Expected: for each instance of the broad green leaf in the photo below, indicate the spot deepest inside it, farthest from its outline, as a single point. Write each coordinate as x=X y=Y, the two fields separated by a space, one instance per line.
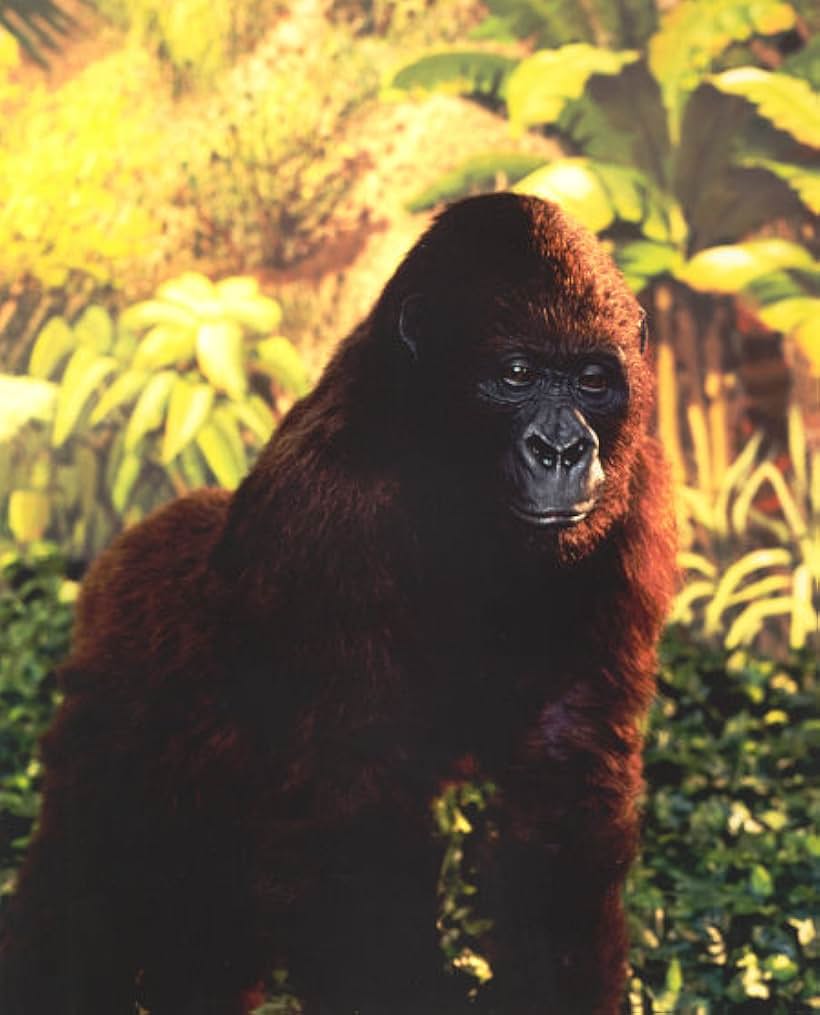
x=22 y=400
x=83 y=376
x=54 y=342
x=243 y=303
x=95 y=329
x=225 y=419
x=150 y=312
x=803 y=180
x=261 y=314
x=164 y=345
x=237 y=287
x=805 y=63
x=193 y=292
x=193 y=466
x=29 y=512
x=279 y=358
x=471 y=72
x=729 y=269
x=149 y=412
x=599 y=194
x=760 y=881
x=642 y=260
x=693 y=34
x=541 y=85
x=480 y=173
x=125 y=477
x=218 y=452
x=621 y=119
x=789 y=103
x=123 y=390
x=256 y=415
x=220 y=355
x=800 y=319
x=572 y=184
x=188 y=408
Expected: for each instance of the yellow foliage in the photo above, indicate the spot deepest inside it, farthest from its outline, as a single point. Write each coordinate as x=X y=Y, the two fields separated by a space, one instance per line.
x=75 y=170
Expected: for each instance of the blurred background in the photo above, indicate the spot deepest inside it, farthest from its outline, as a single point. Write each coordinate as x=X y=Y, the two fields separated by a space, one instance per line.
x=198 y=200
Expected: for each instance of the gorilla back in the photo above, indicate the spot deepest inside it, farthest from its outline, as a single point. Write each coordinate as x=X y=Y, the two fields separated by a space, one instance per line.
x=457 y=551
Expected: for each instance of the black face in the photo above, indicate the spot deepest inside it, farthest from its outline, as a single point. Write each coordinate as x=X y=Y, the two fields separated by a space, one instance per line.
x=548 y=424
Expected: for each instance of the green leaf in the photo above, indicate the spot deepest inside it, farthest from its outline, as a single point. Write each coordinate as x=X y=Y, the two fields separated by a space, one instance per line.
x=693 y=34
x=123 y=391
x=95 y=329
x=760 y=882
x=541 y=85
x=598 y=195
x=193 y=292
x=480 y=173
x=731 y=268
x=621 y=119
x=800 y=319
x=165 y=345
x=84 y=374
x=643 y=260
x=220 y=355
x=188 y=408
x=256 y=415
x=803 y=180
x=29 y=512
x=576 y=187
x=22 y=400
x=218 y=450
x=150 y=312
x=149 y=412
x=279 y=358
x=471 y=72
x=242 y=302
x=54 y=342
x=125 y=477
x=787 y=102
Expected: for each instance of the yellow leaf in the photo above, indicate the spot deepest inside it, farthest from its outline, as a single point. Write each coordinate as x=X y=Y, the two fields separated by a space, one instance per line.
x=219 y=353
x=84 y=374
x=28 y=514
x=149 y=411
x=193 y=292
x=124 y=389
x=54 y=342
x=219 y=454
x=188 y=408
x=164 y=345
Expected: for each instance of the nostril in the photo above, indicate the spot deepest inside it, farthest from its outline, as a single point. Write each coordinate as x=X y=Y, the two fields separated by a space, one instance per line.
x=543 y=452
x=574 y=453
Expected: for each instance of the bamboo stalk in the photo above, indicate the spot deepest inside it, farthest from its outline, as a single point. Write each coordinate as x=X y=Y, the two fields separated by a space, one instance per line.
x=668 y=407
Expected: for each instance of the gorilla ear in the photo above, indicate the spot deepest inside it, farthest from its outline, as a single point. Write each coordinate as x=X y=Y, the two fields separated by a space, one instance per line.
x=410 y=319
x=644 y=332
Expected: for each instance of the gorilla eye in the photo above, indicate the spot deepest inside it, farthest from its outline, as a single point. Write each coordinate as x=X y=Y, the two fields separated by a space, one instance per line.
x=593 y=380
x=518 y=373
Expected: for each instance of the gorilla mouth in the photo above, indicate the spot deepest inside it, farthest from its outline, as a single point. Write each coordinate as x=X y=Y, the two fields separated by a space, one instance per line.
x=554 y=517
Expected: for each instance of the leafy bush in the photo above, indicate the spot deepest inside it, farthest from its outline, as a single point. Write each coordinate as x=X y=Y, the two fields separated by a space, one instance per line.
x=118 y=416
x=723 y=900
x=755 y=574
x=35 y=620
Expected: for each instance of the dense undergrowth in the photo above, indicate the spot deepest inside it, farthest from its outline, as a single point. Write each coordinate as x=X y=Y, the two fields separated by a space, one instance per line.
x=721 y=900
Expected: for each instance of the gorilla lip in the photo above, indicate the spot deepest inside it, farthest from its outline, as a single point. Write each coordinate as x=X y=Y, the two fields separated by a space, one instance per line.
x=545 y=519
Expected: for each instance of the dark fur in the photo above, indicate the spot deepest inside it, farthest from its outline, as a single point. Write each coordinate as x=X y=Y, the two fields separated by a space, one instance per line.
x=267 y=689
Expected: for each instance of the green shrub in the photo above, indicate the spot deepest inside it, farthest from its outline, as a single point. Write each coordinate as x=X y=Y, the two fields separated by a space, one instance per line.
x=721 y=903
x=35 y=620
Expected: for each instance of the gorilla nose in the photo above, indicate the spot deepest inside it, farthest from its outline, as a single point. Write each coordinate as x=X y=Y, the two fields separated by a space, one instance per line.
x=550 y=456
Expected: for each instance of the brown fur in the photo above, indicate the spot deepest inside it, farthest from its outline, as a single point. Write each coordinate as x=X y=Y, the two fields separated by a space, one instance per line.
x=267 y=689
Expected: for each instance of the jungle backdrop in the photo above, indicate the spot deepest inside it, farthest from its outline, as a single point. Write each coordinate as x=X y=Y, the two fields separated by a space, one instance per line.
x=198 y=200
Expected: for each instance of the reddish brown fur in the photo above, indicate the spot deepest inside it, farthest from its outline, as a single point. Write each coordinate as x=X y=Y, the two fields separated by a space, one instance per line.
x=266 y=690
